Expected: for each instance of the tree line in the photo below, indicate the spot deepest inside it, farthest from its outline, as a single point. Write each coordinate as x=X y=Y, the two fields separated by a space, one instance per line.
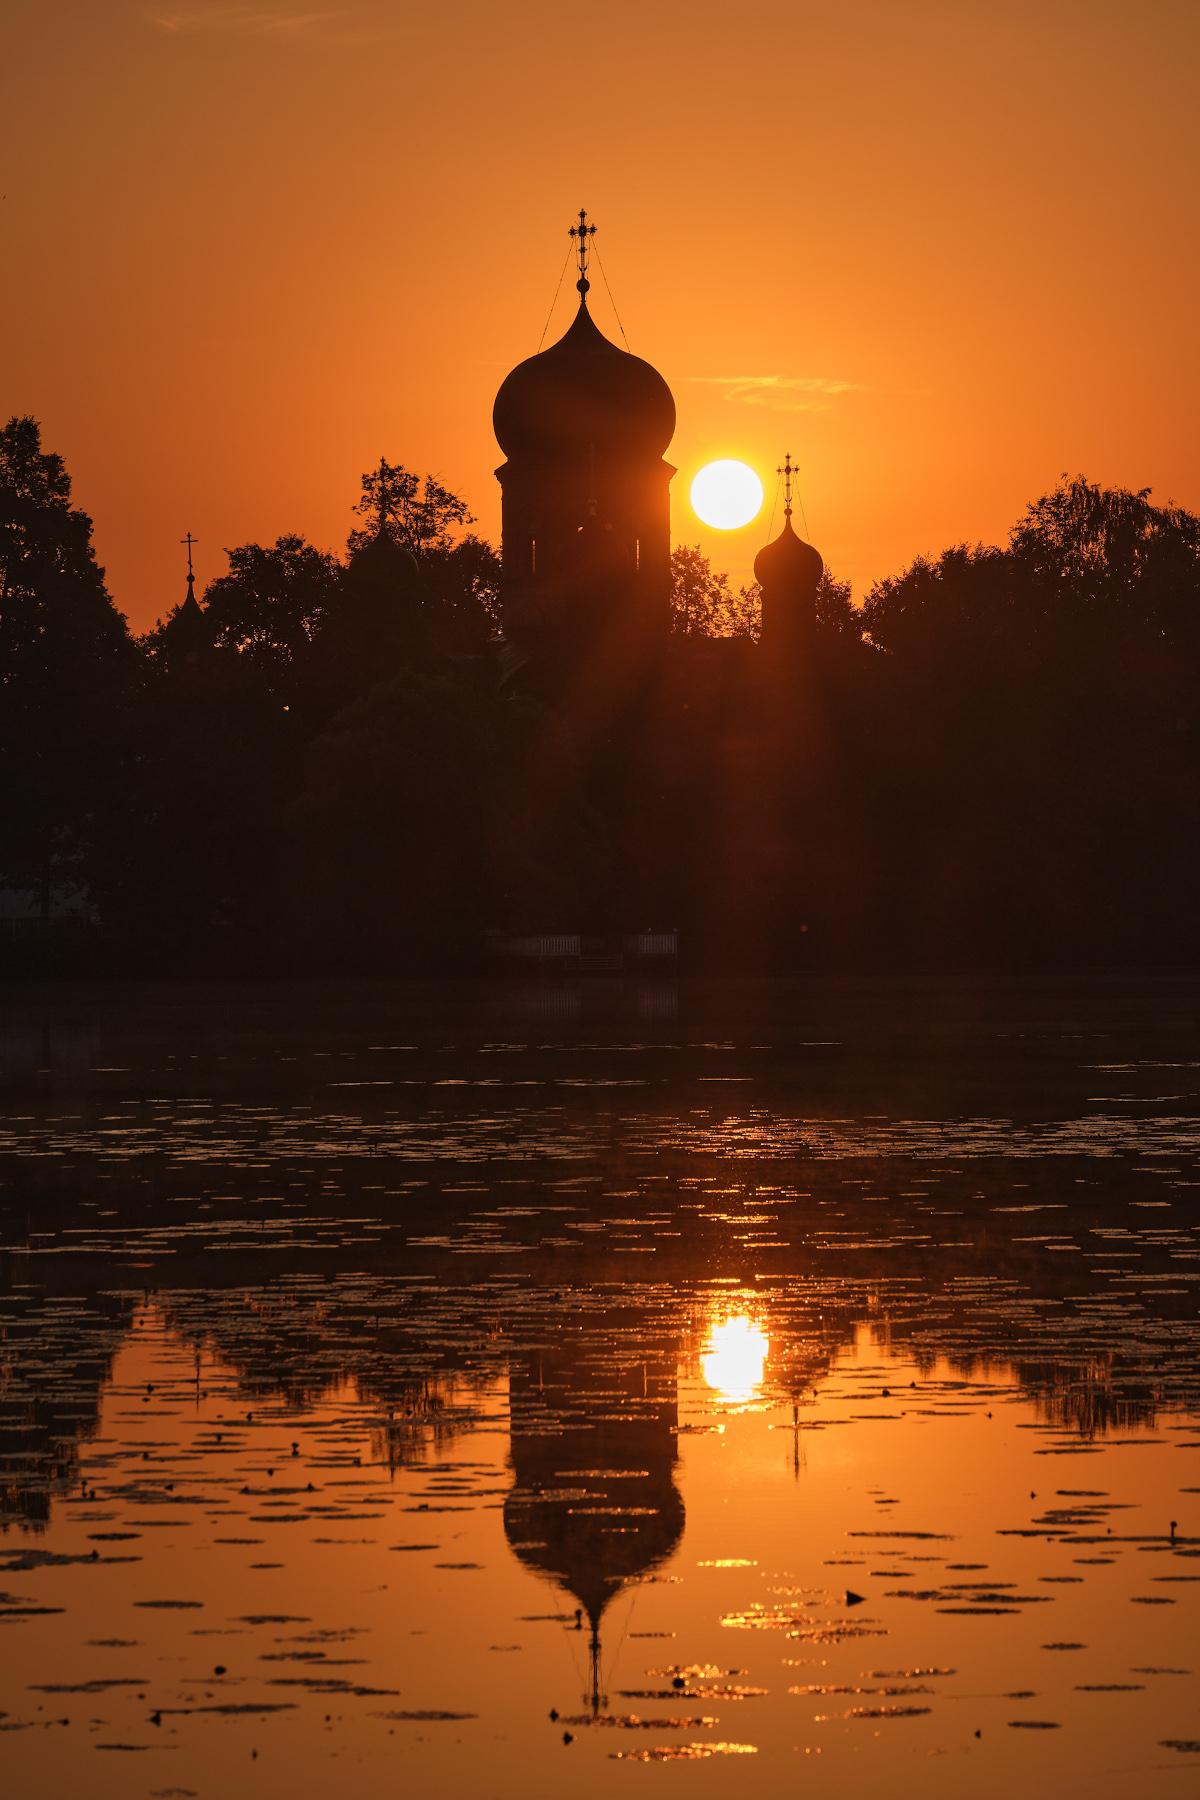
x=993 y=761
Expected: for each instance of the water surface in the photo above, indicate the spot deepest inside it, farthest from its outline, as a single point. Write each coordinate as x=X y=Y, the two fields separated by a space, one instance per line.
x=490 y=1391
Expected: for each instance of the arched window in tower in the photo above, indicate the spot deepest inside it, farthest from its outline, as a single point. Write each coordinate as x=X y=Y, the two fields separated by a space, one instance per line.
x=637 y=555
x=533 y=556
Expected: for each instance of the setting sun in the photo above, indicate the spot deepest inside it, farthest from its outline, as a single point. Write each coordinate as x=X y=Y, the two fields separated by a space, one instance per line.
x=726 y=494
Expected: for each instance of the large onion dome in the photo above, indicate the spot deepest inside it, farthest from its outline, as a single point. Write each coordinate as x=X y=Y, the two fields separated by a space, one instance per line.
x=788 y=565
x=584 y=394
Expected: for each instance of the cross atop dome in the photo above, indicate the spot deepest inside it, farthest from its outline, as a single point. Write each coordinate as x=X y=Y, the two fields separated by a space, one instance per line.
x=583 y=233
x=189 y=540
x=787 y=469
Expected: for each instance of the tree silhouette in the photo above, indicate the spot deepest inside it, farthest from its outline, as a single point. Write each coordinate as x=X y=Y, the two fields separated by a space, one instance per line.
x=415 y=511
x=413 y=593
x=1042 y=795
x=321 y=765
x=837 y=615
x=417 y=824
x=970 y=597
x=1083 y=561
x=1113 y=553
x=65 y=653
x=271 y=604
x=703 y=604
x=462 y=587
x=57 y=622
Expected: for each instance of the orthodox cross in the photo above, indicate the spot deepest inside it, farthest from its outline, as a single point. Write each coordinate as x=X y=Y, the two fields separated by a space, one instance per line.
x=584 y=233
x=788 y=470
x=189 y=540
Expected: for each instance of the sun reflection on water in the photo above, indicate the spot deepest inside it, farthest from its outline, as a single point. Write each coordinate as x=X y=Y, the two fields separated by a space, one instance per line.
x=734 y=1357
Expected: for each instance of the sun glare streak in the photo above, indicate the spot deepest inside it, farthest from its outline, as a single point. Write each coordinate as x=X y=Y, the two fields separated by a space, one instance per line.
x=734 y=1358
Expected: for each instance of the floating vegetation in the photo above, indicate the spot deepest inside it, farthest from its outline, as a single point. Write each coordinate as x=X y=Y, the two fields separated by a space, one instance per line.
x=696 y=1690
x=684 y=1752
x=827 y=1688
x=885 y=1712
x=425 y=1716
x=609 y=1721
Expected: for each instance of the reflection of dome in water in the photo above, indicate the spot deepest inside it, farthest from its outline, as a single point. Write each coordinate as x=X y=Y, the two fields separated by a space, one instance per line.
x=593 y=1449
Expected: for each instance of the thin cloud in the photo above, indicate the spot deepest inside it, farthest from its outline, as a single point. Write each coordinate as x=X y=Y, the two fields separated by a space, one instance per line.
x=782 y=393
x=247 y=20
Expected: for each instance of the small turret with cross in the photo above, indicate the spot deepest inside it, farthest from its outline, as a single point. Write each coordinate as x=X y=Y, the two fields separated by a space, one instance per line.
x=788 y=571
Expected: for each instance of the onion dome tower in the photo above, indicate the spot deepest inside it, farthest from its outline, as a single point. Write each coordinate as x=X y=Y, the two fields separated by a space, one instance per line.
x=586 y=557
x=789 y=572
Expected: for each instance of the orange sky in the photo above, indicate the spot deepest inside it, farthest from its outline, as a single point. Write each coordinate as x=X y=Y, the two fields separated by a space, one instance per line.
x=941 y=250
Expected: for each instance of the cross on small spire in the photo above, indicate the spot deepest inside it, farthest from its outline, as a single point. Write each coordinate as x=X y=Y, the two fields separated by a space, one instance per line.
x=189 y=540
x=583 y=233
x=788 y=469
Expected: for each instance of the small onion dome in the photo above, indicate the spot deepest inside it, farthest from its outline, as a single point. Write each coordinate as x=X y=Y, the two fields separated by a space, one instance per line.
x=788 y=565
x=384 y=559
x=584 y=393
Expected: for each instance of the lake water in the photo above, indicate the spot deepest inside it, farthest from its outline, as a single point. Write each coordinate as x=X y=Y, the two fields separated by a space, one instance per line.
x=521 y=1390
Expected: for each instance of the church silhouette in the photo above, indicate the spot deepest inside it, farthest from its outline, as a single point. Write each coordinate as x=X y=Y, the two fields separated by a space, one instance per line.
x=630 y=723
x=586 y=519
x=586 y=573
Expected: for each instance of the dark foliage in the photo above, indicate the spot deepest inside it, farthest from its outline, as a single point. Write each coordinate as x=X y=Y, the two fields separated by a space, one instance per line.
x=271 y=605
x=703 y=602
x=66 y=660
x=994 y=761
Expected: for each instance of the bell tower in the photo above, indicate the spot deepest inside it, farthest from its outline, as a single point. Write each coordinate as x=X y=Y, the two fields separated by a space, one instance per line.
x=586 y=553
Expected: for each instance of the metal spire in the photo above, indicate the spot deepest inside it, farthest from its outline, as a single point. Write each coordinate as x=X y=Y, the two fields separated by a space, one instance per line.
x=583 y=233
x=189 y=540
x=788 y=470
